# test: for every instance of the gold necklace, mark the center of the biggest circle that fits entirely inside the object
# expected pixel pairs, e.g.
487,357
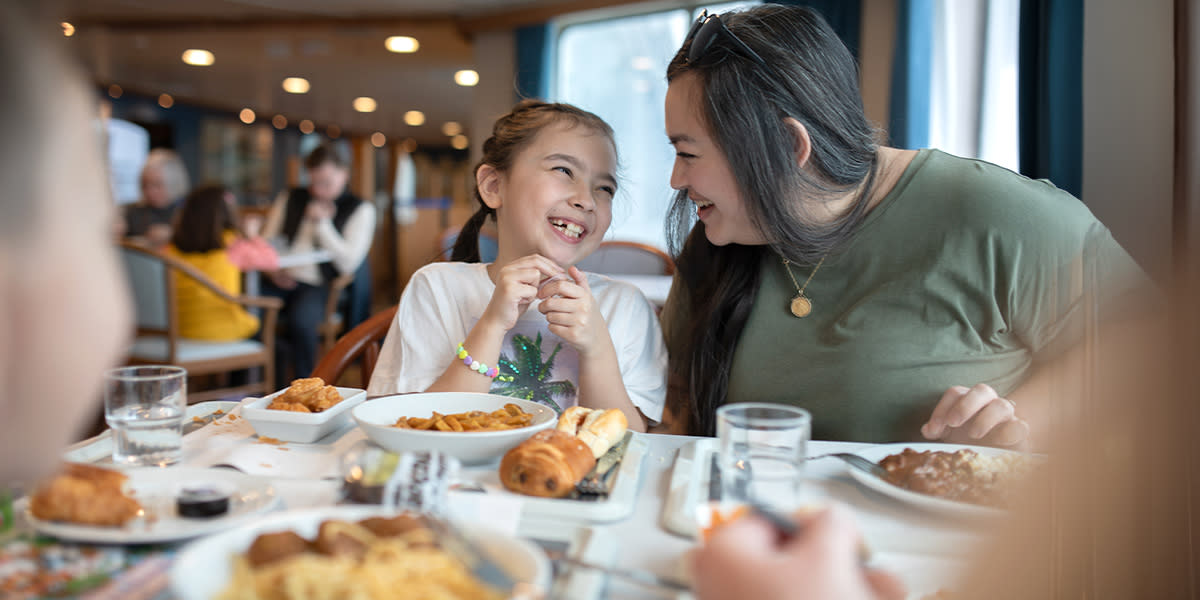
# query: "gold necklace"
801,306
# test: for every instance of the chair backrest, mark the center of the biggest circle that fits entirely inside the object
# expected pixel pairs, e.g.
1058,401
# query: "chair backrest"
360,345
149,285
628,258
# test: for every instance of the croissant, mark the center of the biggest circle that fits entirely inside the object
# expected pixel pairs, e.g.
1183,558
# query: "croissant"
548,464
598,428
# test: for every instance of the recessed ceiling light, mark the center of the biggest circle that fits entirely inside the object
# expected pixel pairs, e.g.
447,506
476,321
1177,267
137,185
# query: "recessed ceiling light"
306,126
279,121
296,85
365,104
410,145
333,131
378,139
197,57
451,128
459,142
415,118
115,91
466,77
402,44
166,101
247,116
68,29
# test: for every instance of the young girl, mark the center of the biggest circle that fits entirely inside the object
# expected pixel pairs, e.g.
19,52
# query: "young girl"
532,324
203,233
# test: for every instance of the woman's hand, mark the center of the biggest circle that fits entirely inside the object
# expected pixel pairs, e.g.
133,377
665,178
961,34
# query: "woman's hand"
746,559
516,288
281,280
976,415
573,314
319,210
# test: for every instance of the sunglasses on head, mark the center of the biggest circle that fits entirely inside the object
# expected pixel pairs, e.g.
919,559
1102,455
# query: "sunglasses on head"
705,30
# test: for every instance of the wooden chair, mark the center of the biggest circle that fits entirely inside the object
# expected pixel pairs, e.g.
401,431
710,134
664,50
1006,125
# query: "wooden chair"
360,345
151,277
628,258
331,326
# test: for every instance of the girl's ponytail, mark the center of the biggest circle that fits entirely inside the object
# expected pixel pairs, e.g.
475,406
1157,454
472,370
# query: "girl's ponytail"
466,245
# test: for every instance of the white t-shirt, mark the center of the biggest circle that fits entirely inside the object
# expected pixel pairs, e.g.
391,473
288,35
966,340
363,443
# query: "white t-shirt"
444,300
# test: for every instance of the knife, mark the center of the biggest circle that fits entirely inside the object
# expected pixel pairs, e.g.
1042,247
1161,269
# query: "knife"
599,479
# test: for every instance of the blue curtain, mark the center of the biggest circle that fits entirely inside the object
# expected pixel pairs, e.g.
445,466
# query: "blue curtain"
1050,92
533,63
845,16
912,62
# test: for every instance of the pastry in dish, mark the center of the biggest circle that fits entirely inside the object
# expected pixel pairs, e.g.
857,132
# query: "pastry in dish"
549,464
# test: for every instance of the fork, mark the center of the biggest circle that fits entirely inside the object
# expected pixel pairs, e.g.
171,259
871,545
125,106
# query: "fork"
855,461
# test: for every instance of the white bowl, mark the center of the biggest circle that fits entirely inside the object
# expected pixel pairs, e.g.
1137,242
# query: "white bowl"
203,568
377,417
300,427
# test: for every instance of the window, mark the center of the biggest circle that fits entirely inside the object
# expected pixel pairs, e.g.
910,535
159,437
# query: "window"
616,67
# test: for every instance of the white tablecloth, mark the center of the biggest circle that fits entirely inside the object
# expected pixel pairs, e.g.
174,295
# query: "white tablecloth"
924,548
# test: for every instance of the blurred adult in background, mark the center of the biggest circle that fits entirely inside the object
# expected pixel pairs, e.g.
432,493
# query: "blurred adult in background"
64,311
204,233
323,216
164,183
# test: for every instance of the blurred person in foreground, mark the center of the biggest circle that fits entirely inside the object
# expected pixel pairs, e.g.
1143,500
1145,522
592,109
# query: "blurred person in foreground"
164,183
64,313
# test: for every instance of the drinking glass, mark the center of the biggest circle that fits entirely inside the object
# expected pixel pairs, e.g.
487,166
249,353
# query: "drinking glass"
761,448
145,406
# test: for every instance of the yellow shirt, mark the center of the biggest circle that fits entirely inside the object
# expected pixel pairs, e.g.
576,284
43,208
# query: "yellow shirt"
202,314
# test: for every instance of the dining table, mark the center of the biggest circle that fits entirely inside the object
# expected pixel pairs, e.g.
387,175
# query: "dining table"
654,531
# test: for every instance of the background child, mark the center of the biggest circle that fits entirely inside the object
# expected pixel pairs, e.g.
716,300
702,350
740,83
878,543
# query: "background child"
204,231
543,329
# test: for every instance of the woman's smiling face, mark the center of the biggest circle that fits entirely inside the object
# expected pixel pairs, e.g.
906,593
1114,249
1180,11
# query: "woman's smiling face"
556,200
702,170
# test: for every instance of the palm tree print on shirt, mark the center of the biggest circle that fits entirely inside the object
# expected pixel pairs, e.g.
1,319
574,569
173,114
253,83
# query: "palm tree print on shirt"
529,373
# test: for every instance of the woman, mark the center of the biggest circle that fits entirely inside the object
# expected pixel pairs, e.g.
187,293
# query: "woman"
895,294
164,182
202,239
324,216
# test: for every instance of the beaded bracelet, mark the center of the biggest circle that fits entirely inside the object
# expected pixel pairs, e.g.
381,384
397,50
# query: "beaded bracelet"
474,365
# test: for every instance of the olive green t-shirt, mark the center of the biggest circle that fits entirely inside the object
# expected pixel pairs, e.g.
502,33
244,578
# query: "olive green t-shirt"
964,273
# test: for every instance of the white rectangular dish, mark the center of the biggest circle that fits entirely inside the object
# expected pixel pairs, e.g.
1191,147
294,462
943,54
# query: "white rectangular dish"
300,427
539,516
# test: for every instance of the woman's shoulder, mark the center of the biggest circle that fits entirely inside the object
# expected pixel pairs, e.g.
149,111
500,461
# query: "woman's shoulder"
971,186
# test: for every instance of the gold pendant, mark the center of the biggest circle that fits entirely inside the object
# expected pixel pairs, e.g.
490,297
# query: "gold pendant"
801,306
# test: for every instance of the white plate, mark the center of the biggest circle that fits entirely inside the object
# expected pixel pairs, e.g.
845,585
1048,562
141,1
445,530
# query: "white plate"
304,428
202,569
377,416
933,503
156,488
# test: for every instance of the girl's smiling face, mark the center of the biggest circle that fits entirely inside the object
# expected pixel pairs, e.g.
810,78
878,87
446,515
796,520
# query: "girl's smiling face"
556,200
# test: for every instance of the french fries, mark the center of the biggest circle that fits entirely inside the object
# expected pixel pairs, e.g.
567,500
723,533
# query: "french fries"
509,417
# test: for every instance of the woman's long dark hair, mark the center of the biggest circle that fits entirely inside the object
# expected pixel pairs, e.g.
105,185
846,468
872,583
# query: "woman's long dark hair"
203,220
511,134
809,76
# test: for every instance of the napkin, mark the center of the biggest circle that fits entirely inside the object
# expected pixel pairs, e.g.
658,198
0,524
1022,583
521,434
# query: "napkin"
231,441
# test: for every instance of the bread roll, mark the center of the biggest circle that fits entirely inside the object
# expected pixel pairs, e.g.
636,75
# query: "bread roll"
549,464
599,429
